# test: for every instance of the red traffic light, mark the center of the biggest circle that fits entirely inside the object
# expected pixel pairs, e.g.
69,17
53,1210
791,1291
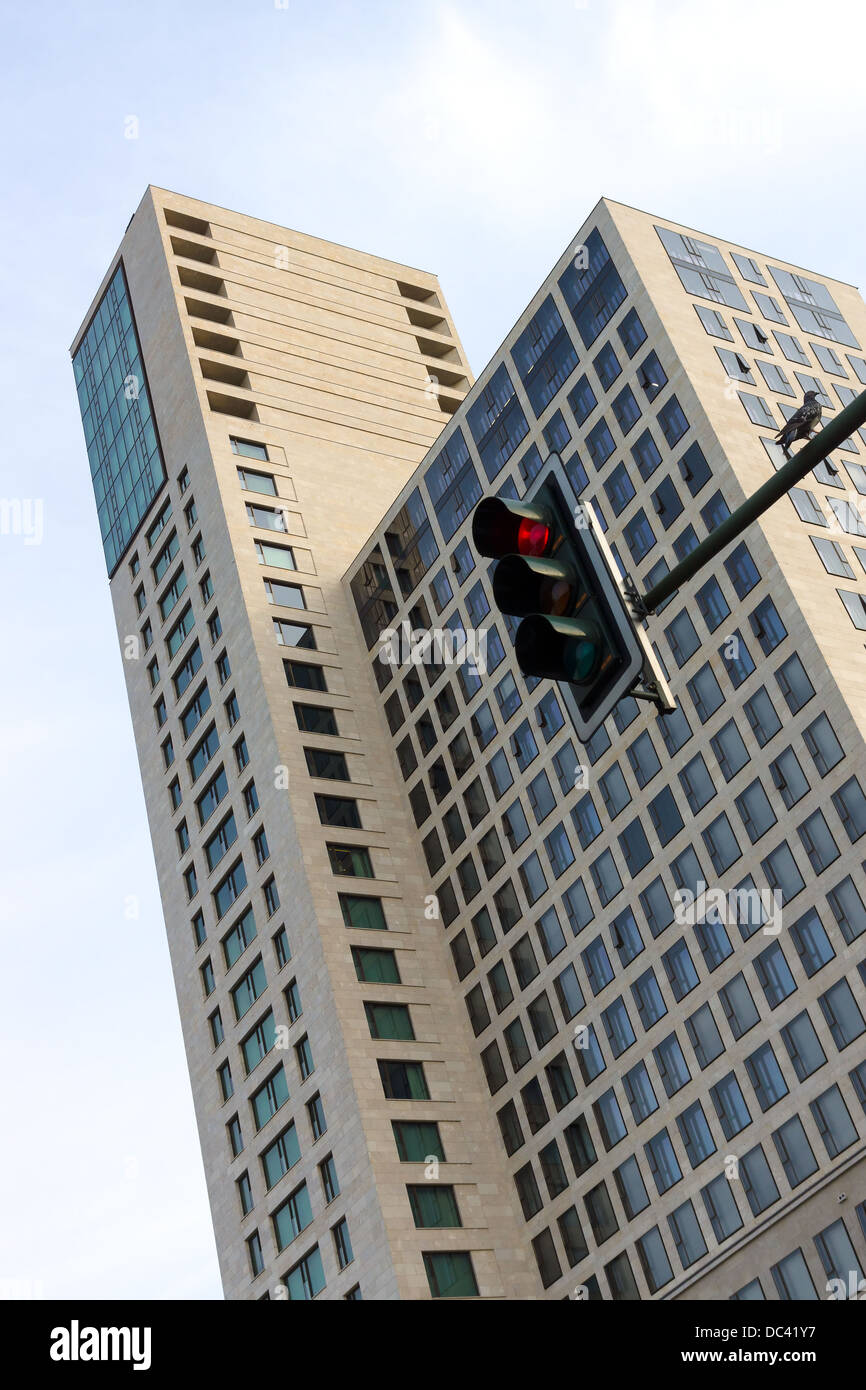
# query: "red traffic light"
533,537
511,528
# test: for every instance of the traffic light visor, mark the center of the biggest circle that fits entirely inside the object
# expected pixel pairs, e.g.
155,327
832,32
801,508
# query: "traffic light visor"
510,528
522,586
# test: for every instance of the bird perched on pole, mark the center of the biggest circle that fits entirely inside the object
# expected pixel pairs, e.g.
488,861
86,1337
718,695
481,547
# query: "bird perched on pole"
802,424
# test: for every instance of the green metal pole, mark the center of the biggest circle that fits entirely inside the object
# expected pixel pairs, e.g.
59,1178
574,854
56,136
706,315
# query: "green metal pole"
834,433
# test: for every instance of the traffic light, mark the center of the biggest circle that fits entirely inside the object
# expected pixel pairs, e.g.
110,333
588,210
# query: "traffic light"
556,572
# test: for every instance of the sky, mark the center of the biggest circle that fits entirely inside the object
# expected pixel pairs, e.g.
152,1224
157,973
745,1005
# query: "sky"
469,139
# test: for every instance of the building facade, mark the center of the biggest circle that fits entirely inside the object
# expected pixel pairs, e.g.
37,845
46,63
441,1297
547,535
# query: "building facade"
660,937
253,399
450,1030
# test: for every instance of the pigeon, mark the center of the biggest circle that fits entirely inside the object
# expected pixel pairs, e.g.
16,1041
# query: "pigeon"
802,423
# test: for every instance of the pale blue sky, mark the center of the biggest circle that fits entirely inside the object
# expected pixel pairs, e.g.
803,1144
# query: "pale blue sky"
470,139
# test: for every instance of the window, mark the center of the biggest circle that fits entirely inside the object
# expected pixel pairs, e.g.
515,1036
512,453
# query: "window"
766,1076
342,1243
254,1250
257,1044
788,777
812,306
767,626
803,1047
248,448
450,1274
758,410
811,942
303,676
253,481
730,1105
236,941
306,1279
842,1014
599,1209
403,1080
281,947
758,1182
389,1020
280,1156
277,556
706,695
179,633
848,909
737,658
285,596
328,1176
695,1134
639,1092
230,889
761,714
680,970
833,1121
292,1217
654,1260
657,907
350,860
794,684
665,815
838,1255
755,810
631,332
251,984
617,1027
672,419
294,634
795,1151
850,804
662,1162
639,536
375,966
190,880
171,595
600,443
568,992
433,1205
267,1100
304,1056
366,914
818,841
589,1055
704,1036
221,841
648,999
316,1117
738,1006
686,1231
339,811
497,423
544,355
671,1064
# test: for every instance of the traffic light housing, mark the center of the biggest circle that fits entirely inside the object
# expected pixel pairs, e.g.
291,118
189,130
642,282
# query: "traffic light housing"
555,572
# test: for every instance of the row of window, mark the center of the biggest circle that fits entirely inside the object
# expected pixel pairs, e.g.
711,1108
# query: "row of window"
841,1263
431,1206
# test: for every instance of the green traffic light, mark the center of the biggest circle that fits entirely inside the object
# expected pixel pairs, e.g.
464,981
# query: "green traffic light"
581,658
560,649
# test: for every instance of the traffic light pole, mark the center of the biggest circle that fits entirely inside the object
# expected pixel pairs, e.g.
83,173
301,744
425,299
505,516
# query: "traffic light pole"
813,452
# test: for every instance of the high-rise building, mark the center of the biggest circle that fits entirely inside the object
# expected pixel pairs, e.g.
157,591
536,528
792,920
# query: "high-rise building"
679,1082
452,1024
